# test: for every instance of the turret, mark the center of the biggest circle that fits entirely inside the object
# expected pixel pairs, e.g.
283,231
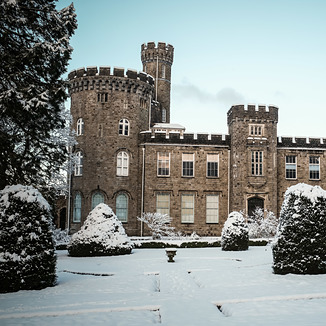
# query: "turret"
157,62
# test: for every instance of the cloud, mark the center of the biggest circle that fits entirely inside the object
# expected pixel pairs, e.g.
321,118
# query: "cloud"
230,96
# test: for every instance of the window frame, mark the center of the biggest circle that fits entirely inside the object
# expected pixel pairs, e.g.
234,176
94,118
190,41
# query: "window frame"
80,127
161,162
187,218
313,171
256,129
124,209
124,127
289,171
78,170
190,168
257,163
162,209
76,213
163,115
215,218
215,169
122,164
94,202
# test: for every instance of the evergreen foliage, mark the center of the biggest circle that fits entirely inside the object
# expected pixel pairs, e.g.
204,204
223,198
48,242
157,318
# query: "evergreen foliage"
300,245
235,234
261,226
34,53
102,234
27,257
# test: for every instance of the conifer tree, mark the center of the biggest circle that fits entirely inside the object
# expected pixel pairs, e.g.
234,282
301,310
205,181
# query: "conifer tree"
34,53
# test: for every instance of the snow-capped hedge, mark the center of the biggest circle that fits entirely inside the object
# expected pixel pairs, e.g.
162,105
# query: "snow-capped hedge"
101,235
235,234
27,256
300,244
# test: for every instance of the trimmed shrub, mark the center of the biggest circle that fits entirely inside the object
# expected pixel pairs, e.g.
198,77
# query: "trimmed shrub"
235,234
101,235
300,245
27,256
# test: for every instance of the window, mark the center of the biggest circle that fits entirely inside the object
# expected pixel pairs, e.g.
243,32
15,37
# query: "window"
187,208
314,168
188,165
102,97
212,165
80,127
163,203
76,215
97,198
163,164
163,71
121,205
256,130
163,115
124,127
257,163
212,209
122,164
291,167
79,164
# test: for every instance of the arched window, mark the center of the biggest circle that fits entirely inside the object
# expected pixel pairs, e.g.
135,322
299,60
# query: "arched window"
97,198
80,127
124,127
76,215
123,164
79,164
122,207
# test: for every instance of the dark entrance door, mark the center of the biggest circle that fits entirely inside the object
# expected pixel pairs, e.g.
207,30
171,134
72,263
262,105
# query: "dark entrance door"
253,203
63,219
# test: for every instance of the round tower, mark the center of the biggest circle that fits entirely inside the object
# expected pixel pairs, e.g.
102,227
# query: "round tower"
157,62
109,111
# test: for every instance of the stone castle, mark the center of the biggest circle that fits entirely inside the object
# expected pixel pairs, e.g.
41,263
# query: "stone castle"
130,156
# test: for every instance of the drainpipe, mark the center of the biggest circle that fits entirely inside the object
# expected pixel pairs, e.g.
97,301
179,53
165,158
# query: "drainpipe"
156,77
69,188
142,191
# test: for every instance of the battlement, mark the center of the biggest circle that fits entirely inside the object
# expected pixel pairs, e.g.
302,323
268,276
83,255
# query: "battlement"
163,52
92,78
181,138
301,142
254,112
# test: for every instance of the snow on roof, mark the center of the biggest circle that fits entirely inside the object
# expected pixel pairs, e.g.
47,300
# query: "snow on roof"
305,190
169,126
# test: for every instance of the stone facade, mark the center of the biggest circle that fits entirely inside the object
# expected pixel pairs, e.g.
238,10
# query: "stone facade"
130,157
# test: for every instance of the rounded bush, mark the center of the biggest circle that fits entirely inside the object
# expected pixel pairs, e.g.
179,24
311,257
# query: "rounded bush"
101,235
235,234
27,256
300,245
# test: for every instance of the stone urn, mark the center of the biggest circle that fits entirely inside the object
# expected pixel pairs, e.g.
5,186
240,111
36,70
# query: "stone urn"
171,252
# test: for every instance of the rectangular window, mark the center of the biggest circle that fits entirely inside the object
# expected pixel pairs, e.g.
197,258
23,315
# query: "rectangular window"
163,203
291,167
212,209
257,163
314,168
187,208
163,164
256,130
212,165
188,165
102,97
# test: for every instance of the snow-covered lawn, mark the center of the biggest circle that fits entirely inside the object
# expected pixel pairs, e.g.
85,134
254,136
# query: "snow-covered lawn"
205,286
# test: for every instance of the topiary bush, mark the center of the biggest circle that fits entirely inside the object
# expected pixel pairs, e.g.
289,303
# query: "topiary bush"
27,256
235,234
101,235
300,245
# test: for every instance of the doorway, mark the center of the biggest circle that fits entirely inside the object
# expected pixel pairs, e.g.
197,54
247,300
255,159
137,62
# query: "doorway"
253,203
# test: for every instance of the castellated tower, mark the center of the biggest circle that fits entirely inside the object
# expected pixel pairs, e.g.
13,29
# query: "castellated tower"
253,157
109,110
157,62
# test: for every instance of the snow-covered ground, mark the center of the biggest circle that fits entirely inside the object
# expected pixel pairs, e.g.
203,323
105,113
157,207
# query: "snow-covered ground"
204,286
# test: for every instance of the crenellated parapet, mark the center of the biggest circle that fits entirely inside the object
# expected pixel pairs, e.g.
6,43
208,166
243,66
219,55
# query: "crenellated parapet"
92,78
180,138
301,143
253,112
151,52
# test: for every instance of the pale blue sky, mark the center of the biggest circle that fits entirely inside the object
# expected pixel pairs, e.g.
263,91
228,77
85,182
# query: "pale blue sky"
226,52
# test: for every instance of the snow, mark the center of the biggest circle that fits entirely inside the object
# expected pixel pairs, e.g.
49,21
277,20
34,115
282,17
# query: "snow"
205,286
26,193
305,190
